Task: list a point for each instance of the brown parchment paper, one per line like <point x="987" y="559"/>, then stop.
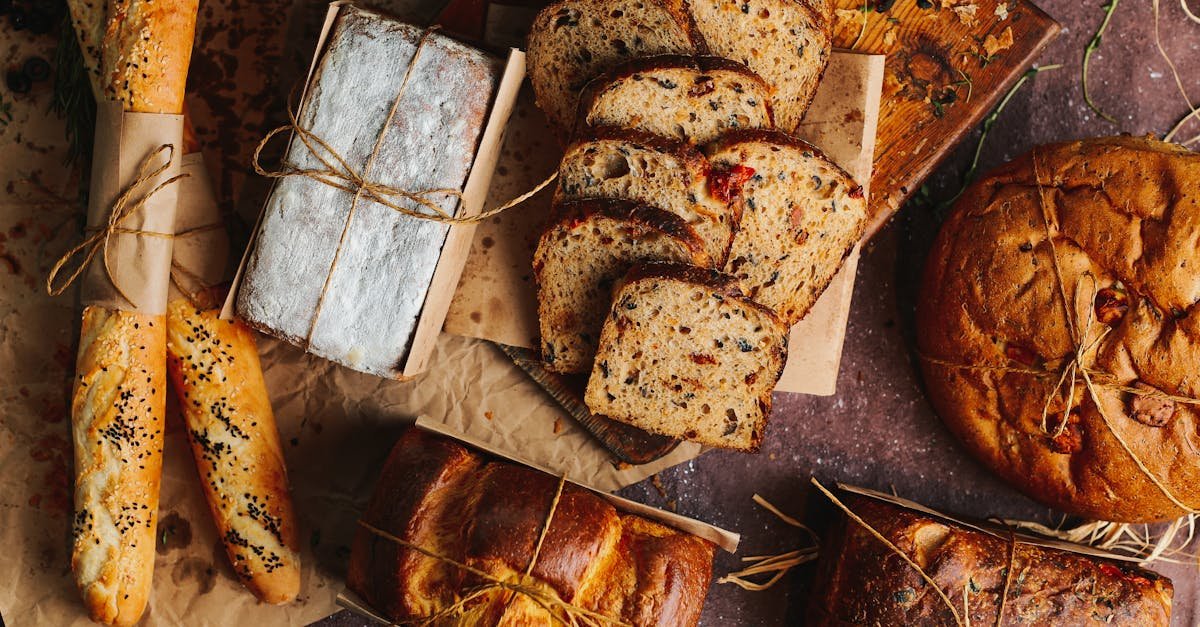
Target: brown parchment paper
<point x="496" y="297"/>
<point x="139" y="263"/>
<point x="201" y="251"/>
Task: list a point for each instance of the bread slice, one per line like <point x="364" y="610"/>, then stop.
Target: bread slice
<point x="683" y="353"/>
<point x="582" y="254"/>
<point x="666" y="173"/>
<point x="801" y="216"/>
<point x="787" y="42"/>
<point x="573" y="41"/>
<point x="693" y="99"/>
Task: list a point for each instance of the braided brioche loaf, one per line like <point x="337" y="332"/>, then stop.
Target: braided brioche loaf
<point x="438" y="495"/>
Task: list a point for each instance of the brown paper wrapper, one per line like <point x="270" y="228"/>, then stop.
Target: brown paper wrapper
<point x="140" y="263"/>
<point x="201" y="251"/>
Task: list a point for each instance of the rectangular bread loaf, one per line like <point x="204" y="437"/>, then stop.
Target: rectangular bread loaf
<point x="861" y="581"/>
<point x="362" y="309"/>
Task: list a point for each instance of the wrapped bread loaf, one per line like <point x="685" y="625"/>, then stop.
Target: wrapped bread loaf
<point x="448" y="501"/>
<point x="1057" y="326"/>
<point x="989" y="578"/>
<point x="118" y="402"/>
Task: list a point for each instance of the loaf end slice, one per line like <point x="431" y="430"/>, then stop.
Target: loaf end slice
<point x="683" y="353"/>
<point x="573" y="41"/>
<point x="579" y="258"/>
<point x="667" y="173"/>
<point x="787" y="42"/>
<point x="694" y="99"/>
<point x="801" y="215"/>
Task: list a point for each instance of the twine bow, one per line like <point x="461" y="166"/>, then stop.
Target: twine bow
<point x="560" y="611"/>
<point x="1074" y="368"/>
<point x="125" y="206"/>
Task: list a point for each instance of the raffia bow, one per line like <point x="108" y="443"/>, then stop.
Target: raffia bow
<point x="126" y="204"/>
<point x="560" y="611"/>
<point x="1074" y="368"/>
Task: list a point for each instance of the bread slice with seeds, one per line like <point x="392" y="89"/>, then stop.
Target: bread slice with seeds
<point x="787" y="42"/>
<point x="693" y="99"/>
<point x="580" y="256"/>
<point x="666" y="173"/>
<point x="801" y="216"/>
<point x="683" y="353"/>
<point x="573" y="41"/>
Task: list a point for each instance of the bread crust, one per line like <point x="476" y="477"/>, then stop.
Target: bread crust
<point x="147" y="51"/>
<point x="1123" y="213"/>
<point x="570" y="212"/>
<point x="861" y="581"/>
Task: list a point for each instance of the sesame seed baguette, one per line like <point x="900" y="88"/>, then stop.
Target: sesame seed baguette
<point x="118" y="402"/>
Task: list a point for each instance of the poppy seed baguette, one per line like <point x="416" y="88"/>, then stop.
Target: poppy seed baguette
<point x="693" y="99"/>
<point x="787" y="42"/>
<point x="683" y="353"/>
<point x="573" y="41"/>
<point x="582" y="254"/>
<point x="641" y="167"/>
<point x="801" y="216"/>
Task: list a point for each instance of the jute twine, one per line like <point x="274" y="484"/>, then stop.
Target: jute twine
<point x="560" y="611"/>
<point x="1073" y="368"/>
<point x="126" y="204"/>
<point x="337" y="173"/>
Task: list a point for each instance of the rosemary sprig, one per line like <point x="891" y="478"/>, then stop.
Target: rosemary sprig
<point x="73" y="100"/>
<point x="1087" y="55"/>
<point x="968" y="177"/>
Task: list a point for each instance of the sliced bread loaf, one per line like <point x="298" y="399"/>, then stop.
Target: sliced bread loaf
<point x="693" y="99"/>
<point x="801" y="216"/>
<point x="787" y="42"/>
<point x="581" y="254"/>
<point x="683" y="353"/>
<point x="573" y="41"/>
<point x="666" y="173"/>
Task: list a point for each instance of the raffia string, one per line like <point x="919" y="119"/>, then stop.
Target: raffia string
<point x="126" y="205"/>
<point x="339" y="174"/>
<point x="1073" y="369"/>
<point x="895" y="549"/>
<point x="559" y="610"/>
<point x="777" y="564"/>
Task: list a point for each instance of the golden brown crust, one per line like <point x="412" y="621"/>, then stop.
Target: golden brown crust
<point x="1124" y="213"/>
<point x="147" y="50"/>
<point x="861" y="581"/>
<point x="218" y="379"/>
<point x="117" y="421"/>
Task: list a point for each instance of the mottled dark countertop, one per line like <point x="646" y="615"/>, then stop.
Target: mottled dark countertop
<point x="879" y="431"/>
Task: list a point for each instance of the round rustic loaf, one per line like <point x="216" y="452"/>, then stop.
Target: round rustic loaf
<point x="1092" y="412"/>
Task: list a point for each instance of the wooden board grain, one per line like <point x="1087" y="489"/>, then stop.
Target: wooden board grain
<point x="948" y="63"/>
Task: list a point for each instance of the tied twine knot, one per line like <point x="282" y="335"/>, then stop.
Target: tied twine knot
<point x="125" y="206"/>
<point x="1074" y="368"/>
<point x="560" y="611"/>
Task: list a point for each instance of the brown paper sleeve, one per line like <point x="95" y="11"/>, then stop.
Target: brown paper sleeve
<point x="139" y="261"/>
<point x="201" y="244"/>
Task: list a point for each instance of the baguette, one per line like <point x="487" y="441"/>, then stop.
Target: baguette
<point x="118" y="400"/>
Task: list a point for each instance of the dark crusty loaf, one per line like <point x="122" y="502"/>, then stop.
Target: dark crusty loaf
<point x="787" y="42"/>
<point x="683" y="353"/>
<point x="573" y="41"/>
<point x="582" y="254"/>
<point x="800" y="216"/>
<point x="1123" y="216"/>
<point x="666" y="173"/>
<point x="693" y="99"/>
<point x="861" y="581"/>
<point x="438" y="495"/>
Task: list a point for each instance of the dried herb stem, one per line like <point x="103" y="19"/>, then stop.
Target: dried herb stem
<point x="1188" y="11"/>
<point x="776" y="565"/>
<point x="1192" y="111"/>
<point x="1087" y="55"/>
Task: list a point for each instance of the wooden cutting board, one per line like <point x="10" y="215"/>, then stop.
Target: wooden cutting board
<point x="948" y="63"/>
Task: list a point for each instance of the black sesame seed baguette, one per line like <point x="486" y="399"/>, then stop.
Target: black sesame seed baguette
<point x="573" y="41"/>
<point x="787" y="42"/>
<point x="666" y="173"/>
<point x="683" y="353"/>
<point x="693" y="99"/>
<point x="582" y="253"/>
<point x="801" y="217"/>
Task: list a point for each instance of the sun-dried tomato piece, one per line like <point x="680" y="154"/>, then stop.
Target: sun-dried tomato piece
<point x="726" y="184"/>
<point x="1111" y="305"/>
<point x="1022" y="355"/>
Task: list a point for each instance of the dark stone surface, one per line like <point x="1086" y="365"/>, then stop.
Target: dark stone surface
<point x="879" y="430"/>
